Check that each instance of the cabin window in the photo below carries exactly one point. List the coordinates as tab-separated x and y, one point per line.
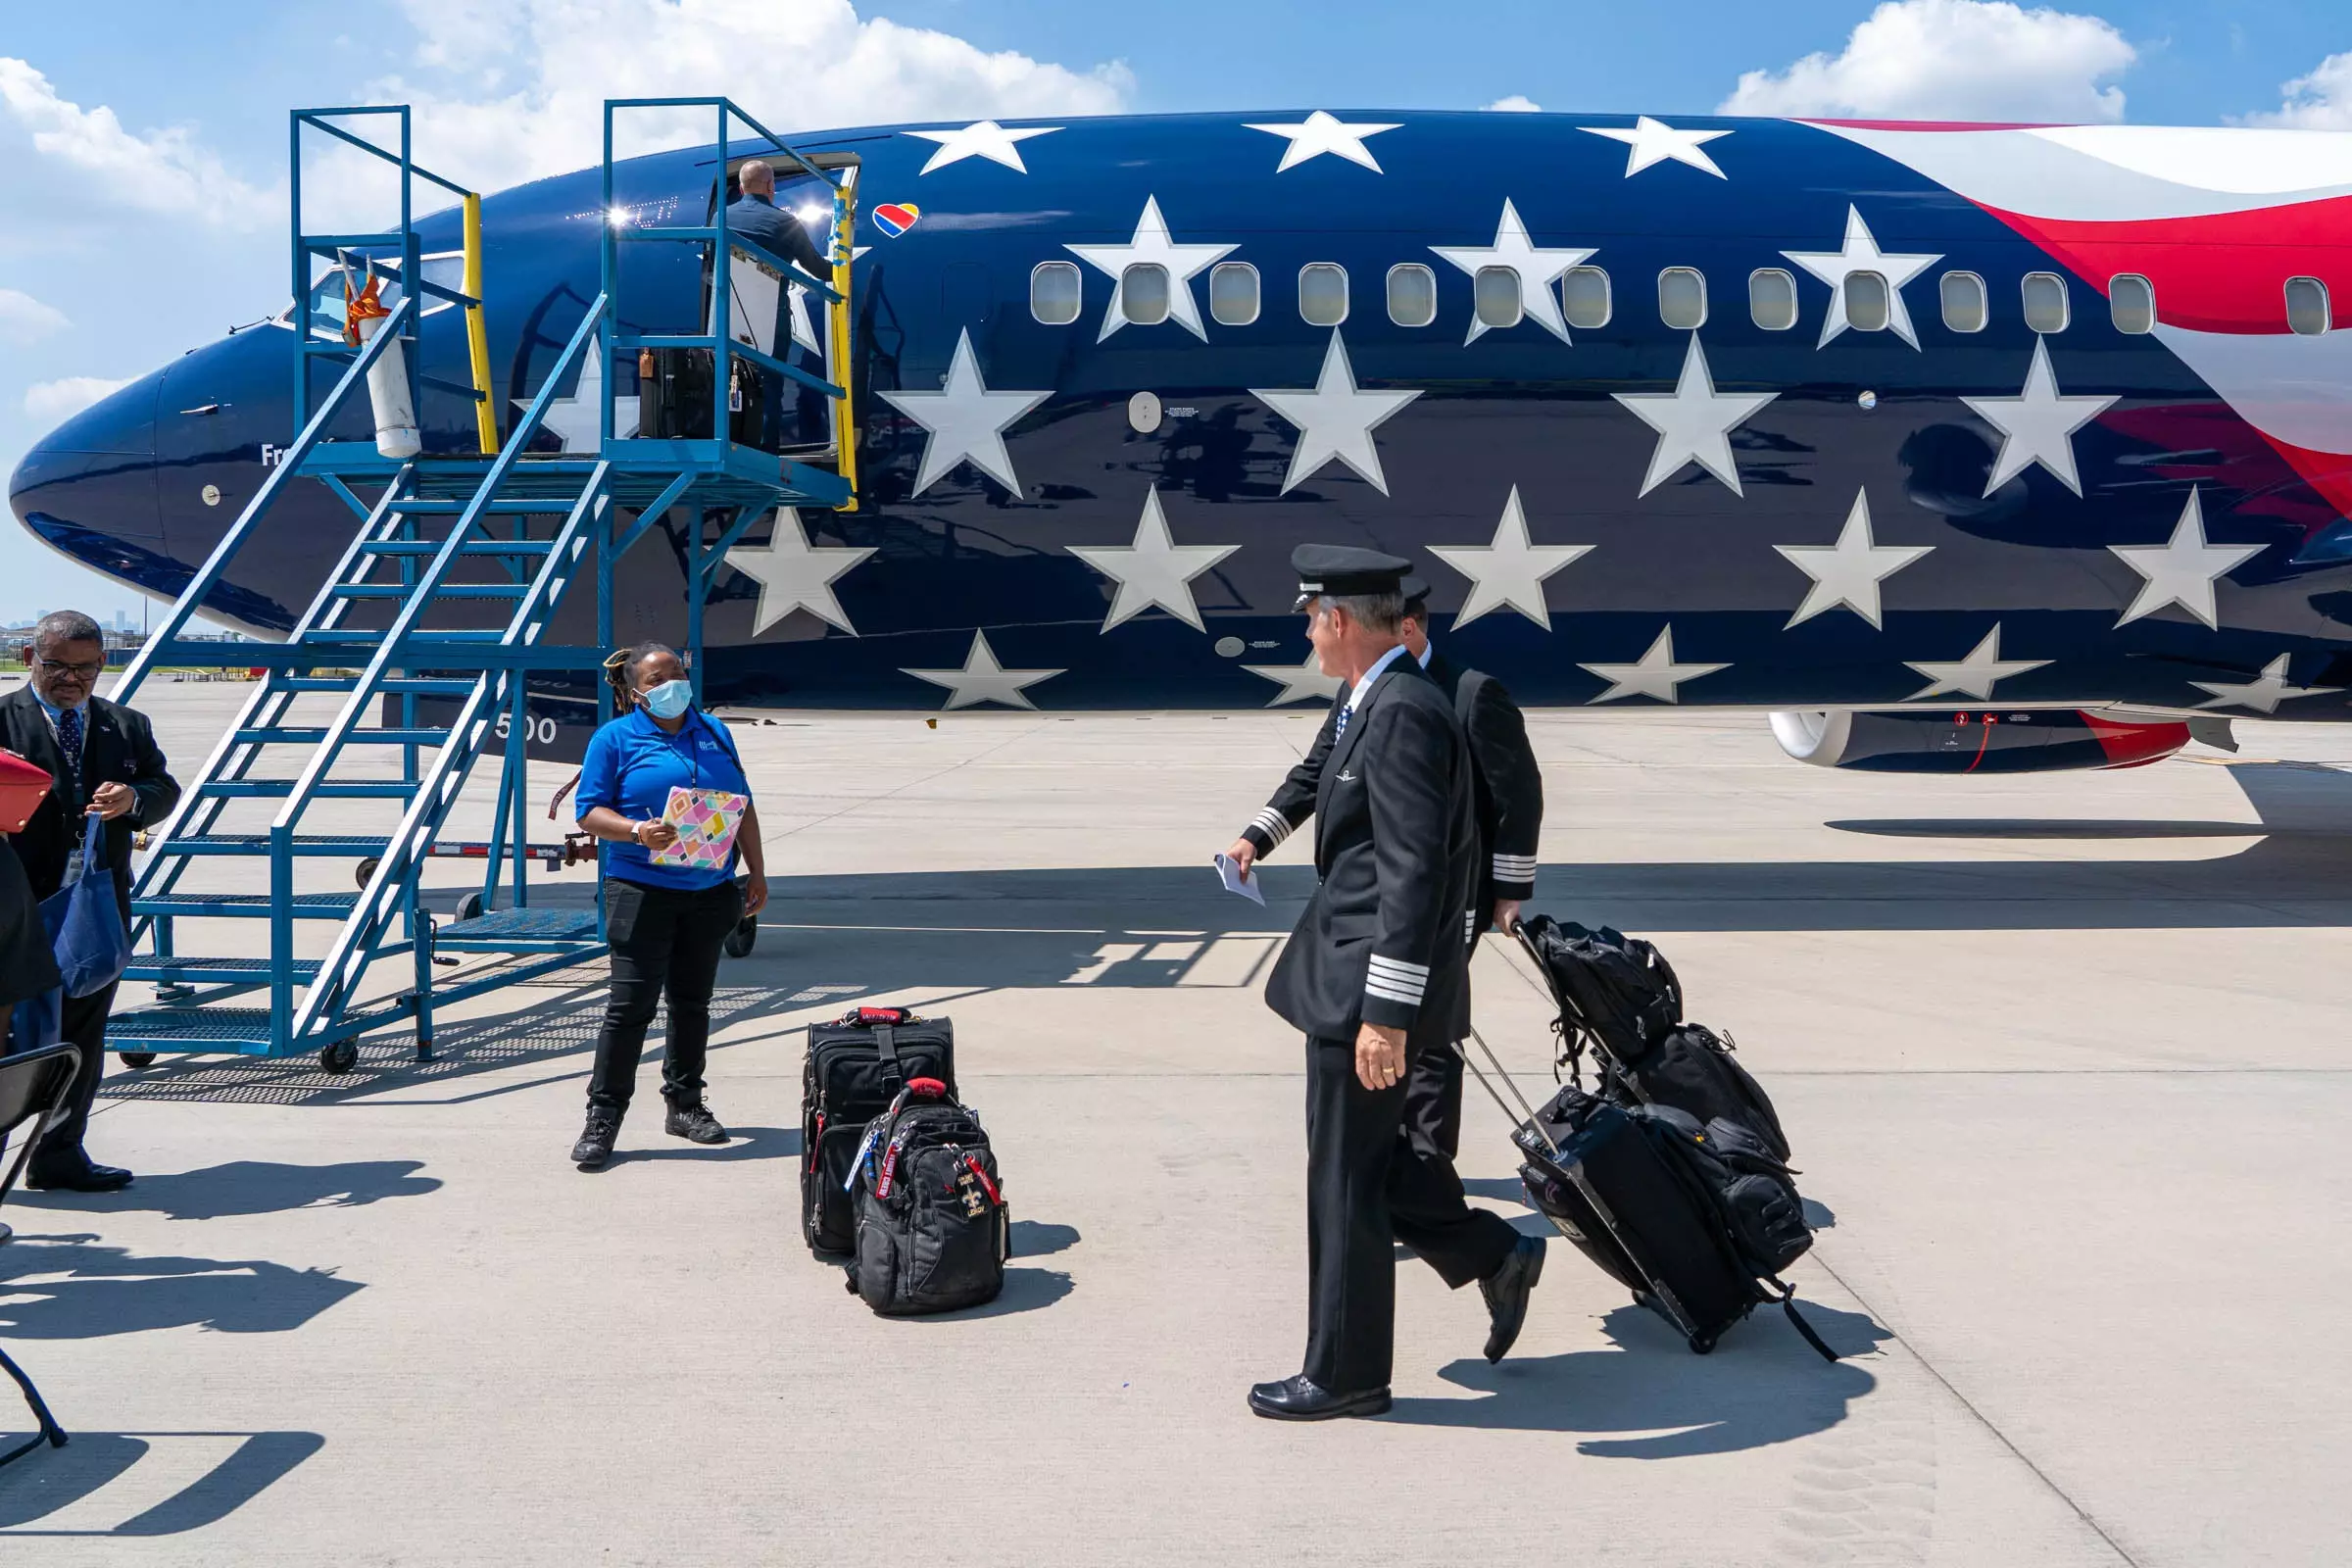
1323	293
1233	293
1497	290
1866	306
1144	293
2045	302
2307	309
1683	298
1056	292
2131	303
1964	302
1772	299
1584	293
1412	294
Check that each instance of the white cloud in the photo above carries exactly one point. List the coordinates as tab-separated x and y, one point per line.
1953	60
516	91
23	318
2321	101
53	402
1518	103
163	172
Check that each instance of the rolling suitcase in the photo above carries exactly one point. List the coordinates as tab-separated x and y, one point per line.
1618	1187
856	1065
673	394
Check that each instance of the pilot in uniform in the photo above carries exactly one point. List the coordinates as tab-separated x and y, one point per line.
1509	789
1375	975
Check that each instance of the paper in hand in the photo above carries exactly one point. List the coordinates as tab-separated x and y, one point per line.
1237	880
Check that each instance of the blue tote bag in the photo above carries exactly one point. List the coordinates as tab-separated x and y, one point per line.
85	928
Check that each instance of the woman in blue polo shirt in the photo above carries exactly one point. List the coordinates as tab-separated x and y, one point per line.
664	923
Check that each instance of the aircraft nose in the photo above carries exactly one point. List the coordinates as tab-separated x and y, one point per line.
88	487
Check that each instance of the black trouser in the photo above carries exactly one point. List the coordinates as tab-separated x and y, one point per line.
82	1025
1372	1179
664	943
1433	1100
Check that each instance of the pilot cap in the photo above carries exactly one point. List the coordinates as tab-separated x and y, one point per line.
1346	571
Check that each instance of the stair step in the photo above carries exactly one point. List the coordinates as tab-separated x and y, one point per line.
374	639
420	685
313	735
321	846
246	906
188	970
429	547
534	507
330	789
243	1030
456	590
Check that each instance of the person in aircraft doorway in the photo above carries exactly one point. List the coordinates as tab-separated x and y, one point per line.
795	414
1508	787
664	923
1376	978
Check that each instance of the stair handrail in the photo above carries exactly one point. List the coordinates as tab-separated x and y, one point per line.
216	565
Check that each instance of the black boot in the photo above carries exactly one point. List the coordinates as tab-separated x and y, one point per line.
596	1140
696	1122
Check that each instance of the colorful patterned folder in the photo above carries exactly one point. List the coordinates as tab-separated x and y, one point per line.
707	822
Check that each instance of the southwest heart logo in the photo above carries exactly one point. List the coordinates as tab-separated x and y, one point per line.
894	219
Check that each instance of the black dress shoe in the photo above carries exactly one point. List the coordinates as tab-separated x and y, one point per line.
87	1178
1296	1398
1506	1290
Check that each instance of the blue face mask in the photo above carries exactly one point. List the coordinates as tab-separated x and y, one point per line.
669	700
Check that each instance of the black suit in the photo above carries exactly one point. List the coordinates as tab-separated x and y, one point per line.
1384	940
1508	790
118	746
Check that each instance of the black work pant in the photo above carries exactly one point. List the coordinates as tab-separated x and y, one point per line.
82	1025
665	943
1372	1179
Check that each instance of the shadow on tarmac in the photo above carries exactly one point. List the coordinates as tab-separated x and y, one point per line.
69	1288
52	1480
247	1187
1763	1384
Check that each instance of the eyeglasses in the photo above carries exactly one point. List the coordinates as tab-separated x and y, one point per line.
89	671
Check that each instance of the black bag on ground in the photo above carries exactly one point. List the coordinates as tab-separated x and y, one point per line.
1620	993
933	1232
856	1065
1694	1219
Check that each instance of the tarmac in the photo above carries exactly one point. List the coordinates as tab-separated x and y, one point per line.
2060	1057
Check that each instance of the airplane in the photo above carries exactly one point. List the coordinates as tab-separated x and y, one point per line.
1954	448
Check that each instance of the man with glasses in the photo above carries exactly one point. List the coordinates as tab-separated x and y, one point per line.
109	782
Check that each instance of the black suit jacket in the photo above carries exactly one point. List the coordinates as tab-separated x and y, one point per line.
118	746
1386	937
1508	786
779	233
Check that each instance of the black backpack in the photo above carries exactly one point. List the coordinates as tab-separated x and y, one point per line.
933	1232
1619	995
856	1065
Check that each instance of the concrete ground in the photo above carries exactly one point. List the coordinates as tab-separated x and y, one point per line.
2060	1057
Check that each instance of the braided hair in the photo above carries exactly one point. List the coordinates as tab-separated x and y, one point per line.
620	672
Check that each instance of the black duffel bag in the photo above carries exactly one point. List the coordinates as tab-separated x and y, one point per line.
856	1065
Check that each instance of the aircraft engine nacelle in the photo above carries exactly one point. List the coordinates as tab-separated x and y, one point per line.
1947	740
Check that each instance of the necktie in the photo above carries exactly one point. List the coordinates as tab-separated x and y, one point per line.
69	741
1341	728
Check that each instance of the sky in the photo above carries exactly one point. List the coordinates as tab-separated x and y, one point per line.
143	144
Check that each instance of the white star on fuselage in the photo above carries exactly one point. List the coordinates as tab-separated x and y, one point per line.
2265	692
983	138
1509	571
1319	134
1849	571
965	420
1336	419
2038	425
1693	421
793	574
1973	675
982	680
1152	243
1298	682
1538	268
1153	570
1654	141
1656	675
2182	570
577	419
1862	255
